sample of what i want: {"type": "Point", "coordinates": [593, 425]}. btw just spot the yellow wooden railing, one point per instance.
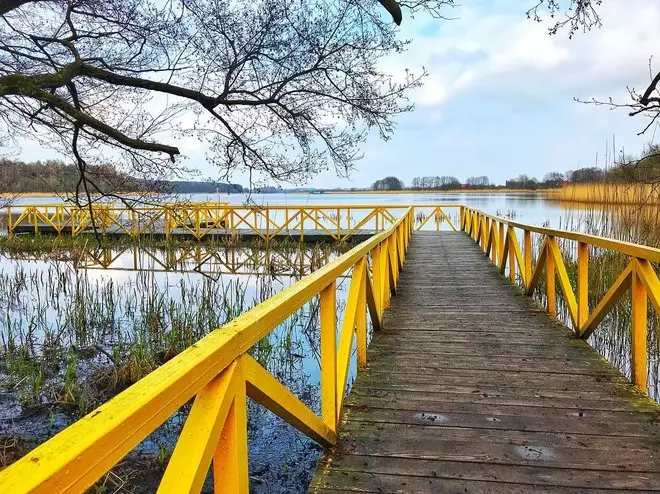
{"type": "Point", "coordinates": [219, 374]}
{"type": "Point", "coordinates": [498, 239]}
{"type": "Point", "coordinates": [200, 219]}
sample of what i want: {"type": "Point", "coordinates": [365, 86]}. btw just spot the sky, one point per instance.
{"type": "Point", "coordinates": [499, 97]}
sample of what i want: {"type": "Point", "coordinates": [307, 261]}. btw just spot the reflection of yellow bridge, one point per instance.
{"type": "Point", "coordinates": [200, 220]}
{"type": "Point", "coordinates": [468, 387]}
{"type": "Point", "coordinates": [207, 260]}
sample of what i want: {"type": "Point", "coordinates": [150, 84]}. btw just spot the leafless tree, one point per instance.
{"type": "Point", "coordinates": [277, 88]}
{"type": "Point", "coordinates": [280, 89]}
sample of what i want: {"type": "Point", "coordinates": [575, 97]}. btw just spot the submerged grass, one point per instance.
{"type": "Point", "coordinates": [72, 337]}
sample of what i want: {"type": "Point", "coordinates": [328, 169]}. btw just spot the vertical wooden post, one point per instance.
{"type": "Point", "coordinates": [512, 256]}
{"type": "Point", "coordinates": [639, 329]}
{"type": "Point", "coordinates": [230, 464]}
{"type": "Point", "coordinates": [376, 267]}
{"type": "Point", "coordinates": [527, 255]}
{"type": "Point", "coordinates": [361, 316]}
{"type": "Point", "coordinates": [387, 273]}
{"type": "Point", "coordinates": [550, 290]}
{"type": "Point", "coordinates": [500, 246]}
{"type": "Point", "coordinates": [583, 284]}
{"type": "Point", "coordinates": [328, 312]}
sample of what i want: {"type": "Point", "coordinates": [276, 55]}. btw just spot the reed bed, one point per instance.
{"type": "Point", "coordinates": [607, 194]}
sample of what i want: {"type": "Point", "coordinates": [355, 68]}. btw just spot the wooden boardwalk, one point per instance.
{"type": "Point", "coordinates": [471, 388]}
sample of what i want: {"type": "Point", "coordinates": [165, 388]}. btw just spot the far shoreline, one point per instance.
{"type": "Point", "coordinates": [451, 191]}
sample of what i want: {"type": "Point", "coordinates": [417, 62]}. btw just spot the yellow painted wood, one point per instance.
{"type": "Point", "coordinates": [500, 241]}
{"type": "Point", "coordinates": [393, 264]}
{"type": "Point", "coordinates": [634, 250]}
{"type": "Point", "coordinates": [446, 217]}
{"type": "Point", "coordinates": [550, 288]}
{"type": "Point", "coordinates": [504, 255]}
{"type": "Point", "coordinates": [79, 455]}
{"type": "Point", "coordinates": [386, 275]}
{"type": "Point", "coordinates": [374, 312]}
{"type": "Point", "coordinates": [583, 284]}
{"type": "Point", "coordinates": [347, 333]}
{"type": "Point", "coordinates": [515, 246]}
{"type": "Point", "coordinates": [650, 280]}
{"type": "Point", "coordinates": [527, 238]}
{"type": "Point", "coordinates": [361, 317]}
{"type": "Point", "coordinates": [564, 281]}
{"type": "Point", "coordinates": [377, 274]}
{"type": "Point", "coordinates": [266, 390]}
{"type": "Point", "coordinates": [197, 443]}
{"type": "Point", "coordinates": [639, 332]}
{"type": "Point", "coordinates": [613, 295]}
{"type": "Point", "coordinates": [328, 316]}
{"type": "Point", "coordinates": [230, 461]}
{"type": "Point", "coordinates": [512, 261]}
{"type": "Point", "coordinates": [538, 269]}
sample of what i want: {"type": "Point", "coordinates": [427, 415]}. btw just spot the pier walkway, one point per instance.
{"type": "Point", "coordinates": [470, 387]}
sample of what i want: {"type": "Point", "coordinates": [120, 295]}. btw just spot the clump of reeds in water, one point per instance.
{"type": "Point", "coordinates": [77, 336]}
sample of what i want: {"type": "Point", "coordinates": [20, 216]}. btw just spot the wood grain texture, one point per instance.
{"type": "Point", "coordinates": [470, 387]}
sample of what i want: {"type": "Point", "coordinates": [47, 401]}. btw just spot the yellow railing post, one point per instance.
{"type": "Point", "coordinates": [230, 462]}
{"type": "Point", "coordinates": [387, 273]}
{"type": "Point", "coordinates": [361, 316]}
{"type": "Point", "coordinates": [328, 314]}
{"type": "Point", "coordinates": [527, 254]}
{"type": "Point", "coordinates": [512, 256]}
{"type": "Point", "coordinates": [500, 244]}
{"type": "Point", "coordinates": [376, 267]}
{"type": "Point", "coordinates": [639, 330]}
{"type": "Point", "coordinates": [583, 284]}
{"type": "Point", "coordinates": [550, 291]}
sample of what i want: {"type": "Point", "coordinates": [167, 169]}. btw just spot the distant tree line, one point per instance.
{"type": "Point", "coordinates": [388, 183]}
{"type": "Point", "coordinates": [54, 177]}
{"type": "Point", "coordinates": [435, 183]}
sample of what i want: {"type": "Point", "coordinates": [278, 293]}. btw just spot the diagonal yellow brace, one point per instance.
{"type": "Point", "coordinates": [540, 263]}
{"type": "Point", "coordinates": [616, 291]}
{"type": "Point", "coordinates": [564, 281]}
{"type": "Point", "coordinates": [190, 461]}
{"type": "Point", "coordinates": [650, 281]}
{"type": "Point", "coordinates": [266, 390]}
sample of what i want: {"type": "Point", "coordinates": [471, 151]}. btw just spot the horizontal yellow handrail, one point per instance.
{"type": "Point", "coordinates": [636, 250]}
{"type": "Point", "coordinates": [497, 237]}
{"type": "Point", "coordinates": [199, 219]}
{"type": "Point", "coordinates": [219, 374]}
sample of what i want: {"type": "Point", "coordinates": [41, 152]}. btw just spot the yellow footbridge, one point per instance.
{"type": "Point", "coordinates": [467, 385]}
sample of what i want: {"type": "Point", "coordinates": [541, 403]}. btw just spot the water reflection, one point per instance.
{"type": "Point", "coordinates": [77, 331]}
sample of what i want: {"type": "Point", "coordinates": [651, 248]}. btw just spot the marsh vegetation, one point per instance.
{"type": "Point", "coordinates": [82, 322]}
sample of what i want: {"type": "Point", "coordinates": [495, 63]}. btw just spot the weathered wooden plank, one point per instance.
{"type": "Point", "coordinates": [470, 387]}
{"type": "Point", "coordinates": [518, 474]}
